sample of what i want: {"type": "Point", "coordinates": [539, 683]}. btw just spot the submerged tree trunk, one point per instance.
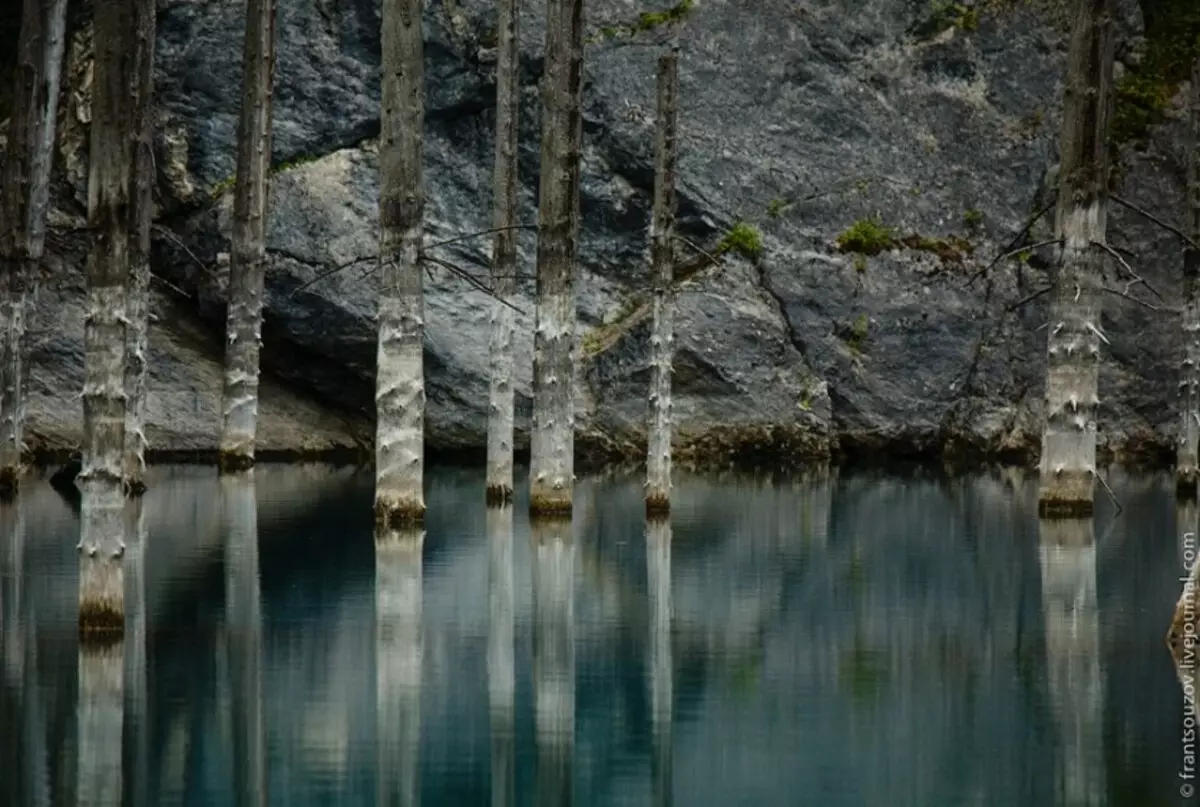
{"type": "Point", "coordinates": [504, 258]}
{"type": "Point", "coordinates": [1186, 471]}
{"type": "Point", "coordinates": [662, 694]}
{"type": "Point", "coordinates": [99, 716]}
{"type": "Point", "coordinates": [662, 335]}
{"type": "Point", "coordinates": [554, 663]}
{"type": "Point", "coordinates": [552, 450]}
{"type": "Point", "coordinates": [500, 655]}
{"type": "Point", "coordinates": [24, 197]}
{"type": "Point", "coordinates": [101, 590]}
{"type": "Point", "coordinates": [398, 660]}
{"type": "Point", "coordinates": [400, 369]}
{"type": "Point", "coordinates": [248, 259]}
{"type": "Point", "coordinates": [136, 745]}
{"type": "Point", "coordinates": [1068, 458]}
{"type": "Point", "coordinates": [142, 208]}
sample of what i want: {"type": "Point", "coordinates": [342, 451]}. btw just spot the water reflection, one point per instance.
{"type": "Point", "coordinates": [136, 736]}
{"type": "Point", "coordinates": [554, 661]}
{"type": "Point", "coordinates": [1068, 565]}
{"type": "Point", "coordinates": [658, 585]}
{"type": "Point", "coordinates": [398, 657]}
{"type": "Point", "coordinates": [501, 664]}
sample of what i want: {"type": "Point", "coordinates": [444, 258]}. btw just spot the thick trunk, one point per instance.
{"type": "Point", "coordinates": [662, 335]}
{"type": "Point", "coordinates": [658, 583]}
{"type": "Point", "coordinates": [1068, 459]}
{"type": "Point", "coordinates": [142, 209]}
{"type": "Point", "coordinates": [243, 615]}
{"type": "Point", "coordinates": [400, 371]}
{"type": "Point", "coordinates": [1076, 687]}
{"type": "Point", "coordinates": [101, 561]}
{"type": "Point", "coordinates": [99, 716]}
{"type": "Point", "coordinates": [248, 257]}
{"type": "Point", "coordinates": [398, 660]}
{"type": "Point", "coordinates": [554, 661]}
{"type": "Point", "coordinates": [504, 258]}
{"type": "Point", "coordinates": [500, 655]}
{"type": "Point", "coordinates": [1187, 473]}
{"type": "Point", "coordinates": [24, 198]}
{"type": "Point", "coordinates": [552, 460]}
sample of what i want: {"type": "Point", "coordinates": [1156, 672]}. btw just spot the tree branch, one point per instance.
{"type": "Point", "coordinates": [1148, 215]}
{"type": "Point", "coordinates": [1009, 254]}
{"type": "Point", "coordinates": [1136, 277]}
{"type": "Point", "coordinates": [1012, 249]}
{"type": "Point", "coordinates": [1129, 296]}
{"type": "Point", "coordinates": [471, 279]}
{"type": "Point", "coordinates": [469, 236]}
{"type": "Point", "coordinates": [1029, 298]}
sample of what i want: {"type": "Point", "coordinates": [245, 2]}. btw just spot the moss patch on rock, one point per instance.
{"type": "Point", "coordinates": [1145, 91]}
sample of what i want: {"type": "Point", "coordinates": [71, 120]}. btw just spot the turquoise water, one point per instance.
{"type": "Point", "coordinates": [829, 639]}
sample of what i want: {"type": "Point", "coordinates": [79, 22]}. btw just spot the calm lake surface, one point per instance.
{"type": "Point", "coordinates": [836, 638]}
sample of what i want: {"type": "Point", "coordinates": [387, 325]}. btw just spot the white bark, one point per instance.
{"type": "Point", "coordinates": [24, 199]}
{"type": "Point", "coordinates": [1187, 473]}
{"type": "Point", "coordinates": [662, 334]}
{"type": "Point", "coordinates": [662, 693]}
{"type": "Point", "coordinates": [400, 375]}
{"type": "Point", "coordinates": [248, 262]}
{"type": "Point", "coordinates": [99, 716]}
{"type": "Point", "coordinates": [1068, 563]}
{"type": "Point", "coordinates": [504, 256]}
{"type": "Point", "coordinates": [554, 660]}
{"type": "Point", "coordinates": [243, 615]}
{"type": "Point", "coordinates": [398, 663]}
{"type": "Point", "coordinates": [552, 462]}
{"type": "Point", "coordinates": [500, 655]}
{"type": "Point", "coordinates": [101, 560]}
{"type": "Point", "coordinates": [136, 694]}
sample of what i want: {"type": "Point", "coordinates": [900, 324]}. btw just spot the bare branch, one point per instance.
{"type": "Point", "coordinates": [1130, 297]}
{"type": "Point", "coordinates": [701, 250]}
{"type": "Point", "coordinates": [1029, 298]}
{"type": "Point", "coordinates": [471, 279]}
{"type": "Point", "coordinates": [1148, 215]}
{"type": "Point", "coordinates": [1009, 254]}
{"type": "Point", "coordinates": [175, 239]}
{"type": "Point", "coordinates": [1012, 249]}
{"type": "Point", "coordinates": [488, 231]}
{"type": "Point", "coordinates": [1136, 277]}
{"type": "Point", "coordinates": [330, 272]}
{"type": "Point", "coordinates": [1111, 495]}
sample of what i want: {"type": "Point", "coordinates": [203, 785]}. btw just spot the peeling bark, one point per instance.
{"type": "Point", "coordinates": [552, 460]}
{"type": "Point", "coordinates": [99, 715]}
{"type": "Point", "coordinates": [24, 198]}
{"type": "Point", "coordinates": [400, 371]}
{"type": "Point", "coordinates": [101, 555]}
{"type": "Point", "coordinates": [243, 615]}
{"type": "Point", "coordinates": [248, 257]}
{"type": "Point", "coordinates": [501, 659]}
{"type": "Point", "coordinates": [504, 257]}
{"type": "Point", "coordinates": [1187, 474]}
{"type": "Point", "coordinates": [658, 582]}
{"type": "Point", "coordinates": [662, 334]}
{"type": "Point", "coordinates": [141, 212]}
{"type": "Point", "coordinates": [1068, 457]}
{"type": "Point", "coordinates": [554, 661]}
{"type": "Point", "coordinates": [398, 660]}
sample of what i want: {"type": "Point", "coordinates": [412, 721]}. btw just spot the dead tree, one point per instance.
{"type": "Point", "coordinates": [552, 461]}
{"type": "Point", "coordinates": [24, 197]}
{"type": "Point", "coordinates": [101, 580]}
{"type": "Point", "coordinates": [504, 258]}
{"type": "Point", "coordinates": [1186, 472]}
{"type": "Point", "coordinates": [142, 202]}
{"type": "Point", "coordinates": [662, 335]}
{"type": "Point", "coordinates": [248, 258]}
{"type": "Point", "coordinates": [400, 375]}
{"type": "Point", "coordinates": [1068, 457]}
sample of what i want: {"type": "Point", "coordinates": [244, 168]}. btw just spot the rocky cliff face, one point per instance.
{"type": "Point", "coordinates": [800, 117]}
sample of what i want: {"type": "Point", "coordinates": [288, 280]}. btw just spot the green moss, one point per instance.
{"type": "Point", "coordinates": [221, 187]}
{"type": "Point", "coordinates": [295, 162]}
{"type": "Point", "coordinates": [776, 207]}
{"type": "Point", "coordinates": [866, 237]}
{"type": "Point", "coordinates": [648, 20]}
{"type": "Point", "coordinates": [942, 16]}
{"type": "Point", "coordinates": [742, 238]}
{"type": "Point", "coordinates": [860, 263]}
{"type": "Point", "coordinates": [952, 248]}
{"type": "Point", "coordinates": [973, 219]}
{"type": "Point", "coordinates": [855, 334]}
{"type": "Point", "coordinates": [1172, 45]}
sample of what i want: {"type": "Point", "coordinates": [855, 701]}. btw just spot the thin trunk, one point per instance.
{"type": "Point", "coordinates": [99, 715]}
{"type": "Point", "coordinates": [658, 582]}
{"type": "Point", "coordinates": [504, 258]}
{"type": "Point", "coordinates": [400, 371]}
{"type": "Point", "coordinates": [501, 659]}
{"type": "Point", "coordinates": [552, 460]}
{"type": "Point", "coordinates": [1186, 472]}
{"type": "Point", "coordinates": [1068, 458]}
{"type": "Point", "coordinates": [142, 208]}
{"type": "Point", "coordinates": [24, 198]}
{"type": "Point", "coordinates": [554, 661]}
{"type": "Point", "coordinates": [662, 335]}
{"type": "Point", "coordinates": [243, 615]}
{"type": "Point", "coordinates": [248, 258]}
{"type": "Point", "coordinates": [398, 660]}
{"type": "Point", "coordinates": [136, 738]}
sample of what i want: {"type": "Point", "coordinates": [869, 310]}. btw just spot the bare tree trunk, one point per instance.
{"type": "Point", "coordinates": [101, 590]}
{"type": "Point", "coordinates": [142, 209]}
{"type": "Point", "coordinates": [400, 370]}
{"type": "Point", "coordinates": [398, 660]}
{"type": "Point", "coordinates": [1068, 459]}
{"type": "Point", "coordinates": [24, 197]}
{"type": "Point", "coordinates": [662, 335]}
{"type": "Point", "coordinates": [500, 659]}
{"type": "Point", "coordinates": [658, 583]}
{"type": "Point", "coordinates": [136, 748]}
{"type": "Point", "coordinates": [554, 662]}
{"type": "Point", "coordinates": [504, 258]}
{"type": "Point", "coordinates": [99, 716]}
{"type": "Point", "coordinates": [1186, 472]}
{"type": "Point", "coordinates": [248, 259]}
{"type": "Point", "coordinates": [552, 454]}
